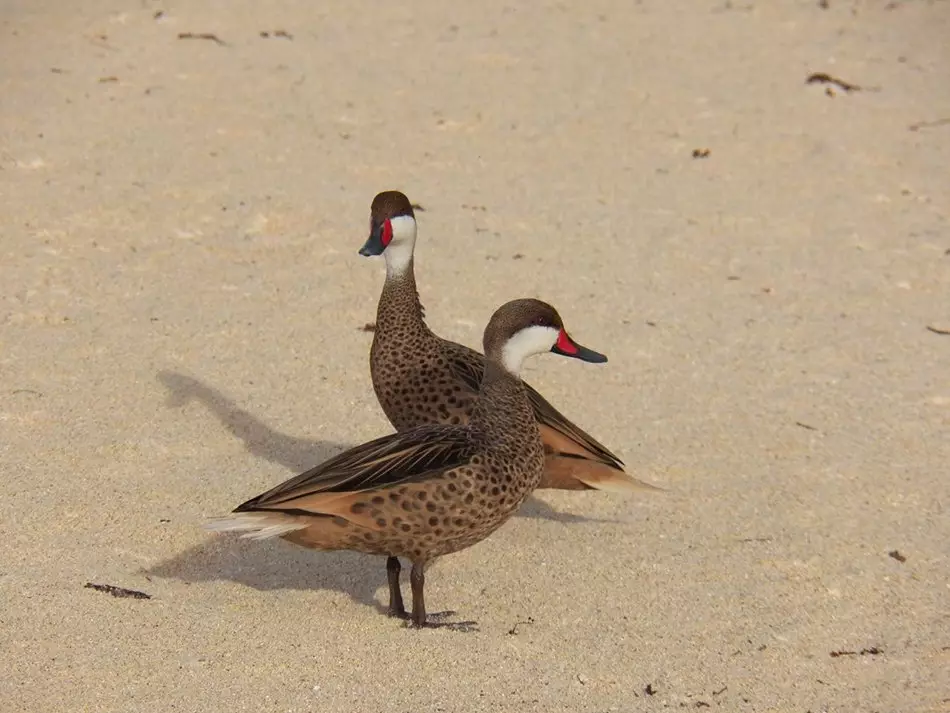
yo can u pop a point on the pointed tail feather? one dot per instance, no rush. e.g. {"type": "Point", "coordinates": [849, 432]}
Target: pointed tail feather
{"type": "Point", "coordinates": [257, 525]}
{"type": "Point", "coordinates": [573, 473]}
{"type": "Point", "coordinates": [618, 482]}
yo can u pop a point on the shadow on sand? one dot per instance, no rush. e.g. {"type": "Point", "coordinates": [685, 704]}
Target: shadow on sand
{"type": "Point", "coordinates": [269, 565]}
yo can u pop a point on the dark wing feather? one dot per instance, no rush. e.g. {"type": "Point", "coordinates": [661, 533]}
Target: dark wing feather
{"type": "Point", "coordinates": [549, 416]}
{"type": "Point", "coordinates": [468, 365]}
{"type": "Point", "coordinates": [403, 457]}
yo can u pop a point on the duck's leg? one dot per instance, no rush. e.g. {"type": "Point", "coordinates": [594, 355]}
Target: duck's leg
{"type": "Point", "coordinates": [417, 578]}
{"type": "Point", "coordinates": [396, 607]}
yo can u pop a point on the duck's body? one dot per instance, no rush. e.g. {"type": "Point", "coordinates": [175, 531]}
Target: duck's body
{"type": "Point", "coordinates": [430, 490]}
{"type": "Point", "coordinates": [420, 378]}
{"type": "Point", "coordinates": [419, 494]}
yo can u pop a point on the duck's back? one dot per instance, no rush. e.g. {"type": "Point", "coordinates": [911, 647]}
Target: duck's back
{"type": "Point", "coordinates": [440, 385]}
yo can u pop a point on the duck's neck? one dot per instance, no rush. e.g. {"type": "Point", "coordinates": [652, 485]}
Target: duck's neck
{"type": "Point", "coordinates": [502, 410]}
{"type": "Point", "coordinates": [399, 305]}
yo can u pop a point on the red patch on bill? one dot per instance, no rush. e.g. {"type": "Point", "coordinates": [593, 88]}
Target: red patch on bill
{"type": "Point", "coordinates": [387, 233]}
{"type": "Point", "coordinates": [565, 344]}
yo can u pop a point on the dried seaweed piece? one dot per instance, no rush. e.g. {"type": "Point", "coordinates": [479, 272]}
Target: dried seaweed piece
{"type": "Point", "coordinates": [119, 592]}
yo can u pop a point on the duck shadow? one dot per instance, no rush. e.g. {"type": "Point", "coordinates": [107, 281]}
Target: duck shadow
{"type": "Point", "coordinates": [270, 565]}
{"type": "Point", "coordinates": [260, 440]}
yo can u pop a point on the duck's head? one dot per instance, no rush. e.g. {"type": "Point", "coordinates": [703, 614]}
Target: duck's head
{"type": "Point", "coordinates": [392, 230]}
{"type": "Point", "coordinates": [522, 328]}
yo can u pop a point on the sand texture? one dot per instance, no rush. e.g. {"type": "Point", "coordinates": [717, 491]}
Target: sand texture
{"type": "Point", "coordinates": [184, 187]}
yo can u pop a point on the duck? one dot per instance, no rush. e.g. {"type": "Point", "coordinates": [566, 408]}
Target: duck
{"type": "Point", "coordinates": [420, 378]}
{"type": "Point", "coordinates": [433, 489]}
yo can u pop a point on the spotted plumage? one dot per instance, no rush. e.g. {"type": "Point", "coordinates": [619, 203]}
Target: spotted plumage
{"type": "Point", "coordinates": [420, 378]}
{"type": "Point", "coordinates": [434, 489]}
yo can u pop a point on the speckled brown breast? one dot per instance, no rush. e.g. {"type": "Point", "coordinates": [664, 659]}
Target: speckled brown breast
{"type": "Point", "coordinates": [414, 392]}
{"type": "Point", "coordinates": [410, 365]}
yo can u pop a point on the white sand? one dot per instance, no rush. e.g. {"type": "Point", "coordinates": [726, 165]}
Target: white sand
{"type": "Point", "coordinates": [181, 309]}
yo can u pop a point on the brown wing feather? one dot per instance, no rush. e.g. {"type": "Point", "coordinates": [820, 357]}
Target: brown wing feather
{"type": "Point", "coordinates": [560, 435]}
{"type": "Point", "coordinates": [404, 457]}
{"type": "Point", "coordinates": [321, 505]}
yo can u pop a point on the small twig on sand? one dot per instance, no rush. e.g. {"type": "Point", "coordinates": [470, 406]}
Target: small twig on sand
{"type": "Point", "coordinates": [872, 651]}
{"type": "Point", "coordinates": [928, 124]}
{"type": "Point", "coordinates": [202, 36]}
{"type": "Point", "coordinates": [514, 630]}
{"type": "Point", "coordinates": [825, 78]}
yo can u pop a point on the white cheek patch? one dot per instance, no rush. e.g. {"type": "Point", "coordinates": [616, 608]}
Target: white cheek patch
{"type": "Point", "coordinates": [527, 342]}
{"type": "Point", "coordinates": [398, 253]}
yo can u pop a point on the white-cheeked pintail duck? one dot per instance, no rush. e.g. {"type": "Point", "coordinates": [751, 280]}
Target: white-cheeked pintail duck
{"type": "Point", "coordinates": [420, 378]}
{"type": "Point", "coordinates": [433, 489]}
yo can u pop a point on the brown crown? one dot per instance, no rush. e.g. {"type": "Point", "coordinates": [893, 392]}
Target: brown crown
{"type": "Point", "coordinates": [390, 204]}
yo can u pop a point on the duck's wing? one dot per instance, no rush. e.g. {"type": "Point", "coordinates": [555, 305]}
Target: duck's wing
{"type": "Point", "coordinates": [409, 456]}
{"type": "Point", "coordinates": [559, 434]}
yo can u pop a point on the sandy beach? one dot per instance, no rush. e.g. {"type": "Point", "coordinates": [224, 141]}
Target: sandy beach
{"type": "Point", "coordinates": [764, 259]}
